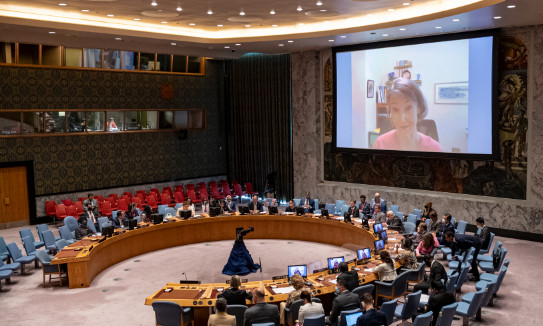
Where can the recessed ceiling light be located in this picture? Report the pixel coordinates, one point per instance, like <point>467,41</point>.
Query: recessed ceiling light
<point>220,25</point>
<point>179,8</point>
<point>299,8</point>
<point>192,24</point>
<point>385,34</point>
<point>164,22</point>
<point>52,32</point>
<point>85,10</point>
<point>118,39</point>
<point>402,29</point>
<point>301,24</point>
<point>323,10</point>
<point>110,15</point>
<point>330,40</point>
<point>272,12</point>
<point>275,25</point>
<point>159,10</point>
<point>238,44</point>
<point>406,3</point>
<point>290,41</point>
<point>62,4</point>
<point>242,13</point>
<point>456,20</point>
<point>173,43</point>
<point>390,9</point>
<point>343,36</point>
<point>227,47</point>
<point>281,44</point>
<point>247,26</point>
<point>154,4</point>
<point>210,12</point>
<point>497,17</point>
<point>319,3</point>
<point>511,6</point>
<point>137,18</point>
<point>438,27</point>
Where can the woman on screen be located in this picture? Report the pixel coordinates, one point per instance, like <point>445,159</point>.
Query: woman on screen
<point>406,107</point>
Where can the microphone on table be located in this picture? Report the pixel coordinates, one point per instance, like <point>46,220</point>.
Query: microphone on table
<point>183,273</point>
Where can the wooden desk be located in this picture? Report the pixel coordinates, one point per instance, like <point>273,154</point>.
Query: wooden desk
<point>93,258</point>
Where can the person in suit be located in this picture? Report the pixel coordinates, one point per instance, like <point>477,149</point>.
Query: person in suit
<point>130,213</point>
<point>446,226</point>
<point>394,223</point>
<point>365,208</point>
<point>371,317</point>
<point>234,295</point>
<point>378,216</point>
<point>437,272</point>
<point>221,318</point>
<point>291,208</point>
<point>377,200</point>
<point>351,212</point>
<point>91,214</point>
<point>261,312</point>
<point>351,277</point>
<point>230,205</point>
<point>345,300</point>
<point>83,230</point>
<point>439,300</point>
<point>308,203</point>
<point>484,234</point>
<point>462,242</point>
<point>309,308</point>
<point>90,199</point>
<point>255,206</point>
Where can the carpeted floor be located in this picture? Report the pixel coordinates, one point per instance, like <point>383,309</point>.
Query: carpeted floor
<point>117,295</point>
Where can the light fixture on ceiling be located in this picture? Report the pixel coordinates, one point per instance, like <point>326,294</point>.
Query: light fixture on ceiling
<point>330,40</point>
<point>110,15</point>
<point>319,3</point>
<point>299,8</point>
<point>85,10</point>
<point>343,36</point>
<point>118,39</point>
<point>154,4</point>
<point>137,19</point>
<point>52,32</point>
<point>281,44</point>
<point>179,8</point>
<point>247,26</point>
<point>497,17</point>
<point>242,13</point>
<point>210,12</point>
<point>390,9</point>
<point>438,27</point>
<point>456,20</point>
<point>274,25</point>
<point>62,4</point>
<point>290,41</point>
<point>406,3</point>
<point>227,47</point>
<point>163,22</point>
<point>173,43</point>
<point>511,6</point>
<point>192,24</point>
<point>385,35</point>
<point>323,10</point>
<point>301,24</point>
<point>238,44</point>
<point>220,25</point>
<point>402,29</point>
<point>272,12</point>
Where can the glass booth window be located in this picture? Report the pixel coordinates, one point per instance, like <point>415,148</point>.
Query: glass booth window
<point>194,64</point>
<point>181,119</point>
<point>140,120</point>
<point>129,60</point>
<point>7,52</point>
<point>95,121</point>
<point>112,59</point>
<point>163,62</point>
<point>29,54</point>
<point>32,122</point>
<point>10,123</point>
<point>55,122</point>
<point>115,121</point>
<point>76,121</point>
<point>93,58</point>
<point>50,55</point>
<point>179,63</point>
<point>147,61</point>
<point>165,119</point>
<point>73,57</point>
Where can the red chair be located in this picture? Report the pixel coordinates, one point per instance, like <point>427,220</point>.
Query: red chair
<point>192,195</point>
<point>60,211</point>
<point>81,199</point>
<point>169,189</point>
<point>67,202</point>
<point>202,185</point>
<point>106,209</point>
<point>138,202</point>
<point>125,197</point>
<point>165,199</point>
<point>72,211</point>
<point>154,195</point>
<point>141,192</point>
<point>128,193</point>
<point>227,192</point>
<point>99,206</point>
<point>235,183</point>
<point>212,184</point>
<point>203,194</point>
<point>112,202</point>
<point>179,197</point>
<point>154,190</point>
<point>122,204</point>
<point>50,208</point>
<point>99,198</point>
<point>140,195</point>
<point>216,194</point>
<point>151,201</point>
<point>79,206</point>
<point>179,188</point>
<point>249,189</point>
<point>190,186</point>
<point>238,191</point>
<point>166,192</point>
<point>114,196</point>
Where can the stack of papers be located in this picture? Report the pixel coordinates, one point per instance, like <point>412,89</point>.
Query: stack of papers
<point>285,290</point>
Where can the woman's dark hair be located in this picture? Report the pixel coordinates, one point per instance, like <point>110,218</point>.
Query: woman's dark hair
<point>433,214</point>
<point>147,211</point>
<point>407,243</point>
<point>409,89</point>
<point>428,240</point>
<point>424,226</point>
<point>220,304</point>
<point>306,295</point>
<point>385,257</point>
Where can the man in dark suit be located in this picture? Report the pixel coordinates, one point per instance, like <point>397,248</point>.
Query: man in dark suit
<point>484,234</point>
<point>371,317</point>
<point>344,301</point>
<point>261,312</point>
<point>308,203</point>
<point>377,200</point>
<point>230,205</point>
<point>255,206</point>
<point>439,300</point>
<point>394,222</point>
<point>437,273</point>
<point>446,226</point>
<point>351,212</point>
<point>91,215</point>
<point>350,277</point>
<point>365,208</point>
<point>462,242</point>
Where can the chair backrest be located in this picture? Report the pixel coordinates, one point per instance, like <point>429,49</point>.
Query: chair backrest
<point>65,233</point>
<point>451,282</point>
<point>388,309</point>
<point>165,199</point>
<point>237,190</point>
<point>249,187</point>
<point>71,223</point>
<point>502,258</point>
<point>446,315</point>
<point>296,201</point>
<point>395,208</point>
<point>91,226</point>
<point>122,204</point>
<point>491,287</point>
<point>48,238</point>
<point>238,311</point>
<point>461,227</point>
<point>50,206</point>
<point>331,208</point>
<point>14,251</point>
<point>161,209</point>
<point>316,203</point>
<point>314,320</point>
<point>476,302</point>
<point>412,218</point>
<point>61,244</point>
<point>487,249</point>
<point>409,227</point>
<point>78,207</point>
<point>423,320</point>
<point>293,311</point>
<point>3,247</point>
<point>169,210</point>
<point>26,233</point>
<point>167,313</point>
<point>151,200</point>
<point>500,278</point>
<point>411,305</point>
<point>67,202</point>
<point>60,211</point>
<point>204,195</point>
<point>339,205</point>
<point>342,314</point>
<point>106,208</point>
<point>399,285</point>
<point>399,215</point>
<point>43,257</point>
<point>417,212</point>
<point>28,244</point>
<point>463,277</point>
<point>344,209</point>
<point>179,197</point>
<point>368,288</point>
<point>71,211</point>
<point>101,220</point>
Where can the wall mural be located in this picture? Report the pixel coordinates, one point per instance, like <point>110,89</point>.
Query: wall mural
<point>504,178</point>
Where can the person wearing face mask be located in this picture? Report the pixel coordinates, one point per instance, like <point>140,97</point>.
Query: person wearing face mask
<point>343,299</point>
<point>446,226</point>
<point>427,211</point>
<point>484,233</point>
<point>371,317</point>
<point>437,273</point>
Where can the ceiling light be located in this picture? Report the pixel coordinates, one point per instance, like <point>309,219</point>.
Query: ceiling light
<point>62,4</point>
<point>402,29</point>
<point>301,24</point>
<point>323,10</point>
<point>511,6</point>
<point>456,20</point>
<point>247,26</point>
<point>164,22</point>
<point>281,44</point>
<point>238,44</point>
<point>385,34</point>
<point>406,3</point>
<point>390,9</point>
<point>299,8</point>
<point>220,25</point>
<point>275,25</point>
<point>110,15</point>
<point>290,41</point>
<point>52,32</point>
<point>85,10</point>
<point>179,8</point>
<point>192,24</point>
<point>319,3</point>
<point>438,27</point>
<point>118,39</point>
<point>137,19</point>
<point>242,13</point>
<point>227,47</point>
<point>343,36</point>
<point>154,4</point>
<point>330,40</point>
<point>497,17</point>
<point>272,12</point>
<point>173,43</point>
<point>210,12</point>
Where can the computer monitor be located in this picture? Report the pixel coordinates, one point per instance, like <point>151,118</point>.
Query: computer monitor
<point>300,211</point>
<point>108,231</point>
<point>157,218</point>
<point>333,263</point>
<point>350,319</point>
<point>244,210</point>
<point>132,223</point>
<point>378,227</point>
<point>347,218</point>
<point>324,213</point>
<point>214,211</point>
<point>272,210</point>
<point>185,214</point>
<point>384,235</point>
<point>364,253</point>
<point>379,245</point>
<point>297,269</point>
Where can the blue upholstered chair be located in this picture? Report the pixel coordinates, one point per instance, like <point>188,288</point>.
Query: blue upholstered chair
<point>344,209</point>
<point>66,234</point>
<point>49,240</point>
<point>171,314</point>
<point>412,218</point>
<point>399,215</point>
<point>238,311</point>
<point>388,308</point>
<point>407,310</point>
<point>465,257</point>
<point>451,282</point>
<point>71,223</point>
<point>60,244</point>
<point>5,275</point>
<point>4,253</point>
<point>28,244</point>
<point>423,320</point>
<point>101,220</point>
<point>461,227</point>
<point>291,313</point>
<point>27,233</point>
<point>487,249</point>
<point>409,228</point>
<point>339,206</point>
<point>395,208</point>
<point>391,290</point>
<point>161,209</point>
<point>169,210</point>
<point>418,213</point>
<point>11,267</point>
<point>488,266</point>
<point>342,314</point>
<point>467,310</point>
<point>488,293</point>
<point>496,251</point>
<point>313,321</point>
<point>463,277</point>
<point>415,276</point>
<point>368,288</point>
<point>48,269</point>
<point>92,227</point>
<point>43,227</point>
<point>487,277</point>
<point>331,208</point>
<point>297,201</point>
<point>18,257</point>
<point>446,315</point>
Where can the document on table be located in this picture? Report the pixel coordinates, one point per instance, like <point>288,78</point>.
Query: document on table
<point>333,281</point>
<point>424,298</point>
<point>369,270</point>
<point>285,290</point>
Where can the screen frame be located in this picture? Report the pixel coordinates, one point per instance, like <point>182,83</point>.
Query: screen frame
<point>375,244</point>
<point>289,266</point>
<point>382,228</point>
<point>494,156</point>
<point>338,257</point>
<point>359,250</point>
<point>385,233</point>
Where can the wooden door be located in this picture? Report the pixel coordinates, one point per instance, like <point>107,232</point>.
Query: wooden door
<point>14,208</point>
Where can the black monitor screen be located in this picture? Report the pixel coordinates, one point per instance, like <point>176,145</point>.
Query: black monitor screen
<point>364,253</point>
<point>185,214</point>
<point>324,212</point>
<point>132,223</point>
<point>379,245</point>
<point>333,263</point>
<point>243,210</point>
<point>272,210</point>
<point>157,218</point>
<point>297,269</point>
<point>300,211</point>
<point>378,227</point>
<point>214,211</point>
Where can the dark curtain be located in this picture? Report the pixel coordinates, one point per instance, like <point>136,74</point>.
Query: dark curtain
<point>259,121</point>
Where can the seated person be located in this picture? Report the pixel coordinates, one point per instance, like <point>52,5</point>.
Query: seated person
<point>91,215</point>
<point>222,206</point>
<point>221,318</point>
<point>83,230</point>
<point>394,223</point>
<point>185,207</point>
<point>110,222</point>
<point>427,211</point>
<point>255,206</point>
<point>234,295</point>
<point>438,300</point>
<point>378,216</point>
<point>297,282</point>
<point>386,270</point>
<point>309,308</point>
<point>230,205</point>
<point>428,243</point>
<point>213,202</point>
<point>437,273</point>
<point>446,226</point>
<point>350,277</point>
<point>408,259</point>
<point>484,234</point>
<point>308,203</point>
<point>351,212</point>
<point>291,208</point>
<point>146,215</point>
<point>345,300</point>
<point>435,225</point>
<point>370,317</point>
<point>378,201</point>
<point>120,218</point>
<point>365,208</point>
<point>130,213</point>
<point>261,312</point>
<point>422,230</point>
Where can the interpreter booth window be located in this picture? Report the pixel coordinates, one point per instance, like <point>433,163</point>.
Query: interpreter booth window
<point>163,62</point>
<point>148,119</point>
<point>115,121</point>
<point>165,119</point>
<point>196,119</point>
<point>7,52</point>
<point>129,60</point>
<point>73,57</point>
<point>147,61</point>
<point>95,121</point>
<point>50,55</point>
<point>29,54</point>
<point>179,63</point>
<point>55,122</point>
<point>10,123</point>
<point>76,121</point>
<point>181,119</point>
<point>93,58</point>
<point>112,59</point>
<point>33,122</point>
<point>194,65</point>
